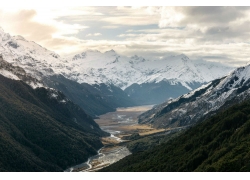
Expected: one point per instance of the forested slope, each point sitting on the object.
(220, 143)
(41, 130)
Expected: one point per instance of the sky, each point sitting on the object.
(217, 33)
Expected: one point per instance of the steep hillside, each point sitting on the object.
(41, 130)
(94, 99)
(206, 100)
(17, 73)
(156, 93)
(220, 143)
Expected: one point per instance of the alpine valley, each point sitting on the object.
(214, 120)
(48, 105)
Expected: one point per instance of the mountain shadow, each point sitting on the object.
(41, 130)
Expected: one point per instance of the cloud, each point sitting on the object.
(115, 16)
(212, 15)
(110, 27)
(212, 33)
(204, 15)
(94, 34)
(170, 17)
(22, 23)
(53, 35)
(214, 24)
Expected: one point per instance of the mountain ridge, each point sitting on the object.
(188, 108)
(42, 130)
(94, 67)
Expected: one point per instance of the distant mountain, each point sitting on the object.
(41, 129)
(156, 93)
(144, 81)
(94, 99)
(204, 101)
(174, 76)
(49, 70)
(122, 71)
(219, 144)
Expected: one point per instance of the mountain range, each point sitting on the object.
(140, 78)
(48, 102)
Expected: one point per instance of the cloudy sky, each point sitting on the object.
(69, 27)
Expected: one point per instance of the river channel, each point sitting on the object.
(120, 123)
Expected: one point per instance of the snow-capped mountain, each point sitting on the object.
(189, 108)
(32, 57)
(94, 67)
(145, 81)
(140, 78)
(46, 67)
(109, 67)
(18, 73)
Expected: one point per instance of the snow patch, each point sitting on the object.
(8, 74)
(53, 95)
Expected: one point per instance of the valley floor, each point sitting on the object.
(123, 122)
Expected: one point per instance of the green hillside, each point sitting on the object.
(220, 143)
(39, 132)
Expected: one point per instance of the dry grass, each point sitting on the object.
(109, 149)
(153, 131)
(142, 129)
(135, 109)
(108, 140)
(116, 121)
(111, 119)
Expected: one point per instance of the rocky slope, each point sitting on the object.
(18, 73)
(189, 108)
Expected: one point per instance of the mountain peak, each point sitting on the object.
(92, 51)
(135, 57)
(111, 52)
(183, 56)
(18, 37)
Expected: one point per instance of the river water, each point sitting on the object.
(116, 123)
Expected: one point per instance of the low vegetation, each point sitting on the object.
(148, 142)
